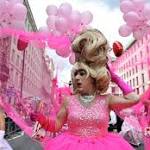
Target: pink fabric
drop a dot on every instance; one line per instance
(87, 129)
(144, 115)
(146, 143)
(55, 42)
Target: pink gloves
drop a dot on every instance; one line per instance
(46, 123)
(126, 89)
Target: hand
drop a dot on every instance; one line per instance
(34, 116)
(38, 132)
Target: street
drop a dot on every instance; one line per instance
(23, 142)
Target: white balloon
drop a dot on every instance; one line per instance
(146, 11)
(51, 10)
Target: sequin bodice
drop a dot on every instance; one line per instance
(91, 120)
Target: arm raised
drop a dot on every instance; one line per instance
(56, 124)
(121, 102)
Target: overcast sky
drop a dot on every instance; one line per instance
(107, 17)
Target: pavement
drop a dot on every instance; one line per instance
(23, 142)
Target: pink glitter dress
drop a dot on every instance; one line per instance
(87, 129)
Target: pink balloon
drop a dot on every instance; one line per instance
(51, 10)
(138, 4)
(51, 22)
(65, 9)
(63, 52)
(61, 24)
(125, 30)
(16, 1)
(20, 12)
(126, 6)
(72, 58)
(131, 18)
(3, 5)
(86, 17)
(75, 19)
(146, 11)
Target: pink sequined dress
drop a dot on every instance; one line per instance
(87, 129)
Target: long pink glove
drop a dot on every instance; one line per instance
(126, 89)
(46, 123)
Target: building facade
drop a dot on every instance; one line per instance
(26, 67)
(133, 65)
(24, 72)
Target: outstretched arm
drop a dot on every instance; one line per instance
(54, 125)
(129, 97)
(121, 102)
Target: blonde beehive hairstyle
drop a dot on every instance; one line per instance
(92, 47)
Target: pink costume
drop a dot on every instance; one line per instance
(87, 128)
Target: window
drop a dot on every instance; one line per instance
(130, 82)
(135, 58)
(136, 69)
(17, 61)
(133, 82)
(142, 66)
(143, 88)
(141, 55)
(130, 73)
(137, 81)
(133, 71)
(143, 78)
(137, 90)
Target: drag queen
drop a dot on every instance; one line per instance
(87, 111)
(3, 143)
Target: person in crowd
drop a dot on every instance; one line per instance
(3, 143)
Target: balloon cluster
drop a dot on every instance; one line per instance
(136, 14)
(64, 21)
(12, 15)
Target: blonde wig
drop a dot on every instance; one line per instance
(101, 76)
(91, 47)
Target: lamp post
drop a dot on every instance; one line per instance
(22, 74)
(22, 45)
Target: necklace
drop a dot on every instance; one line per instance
(87, 98)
